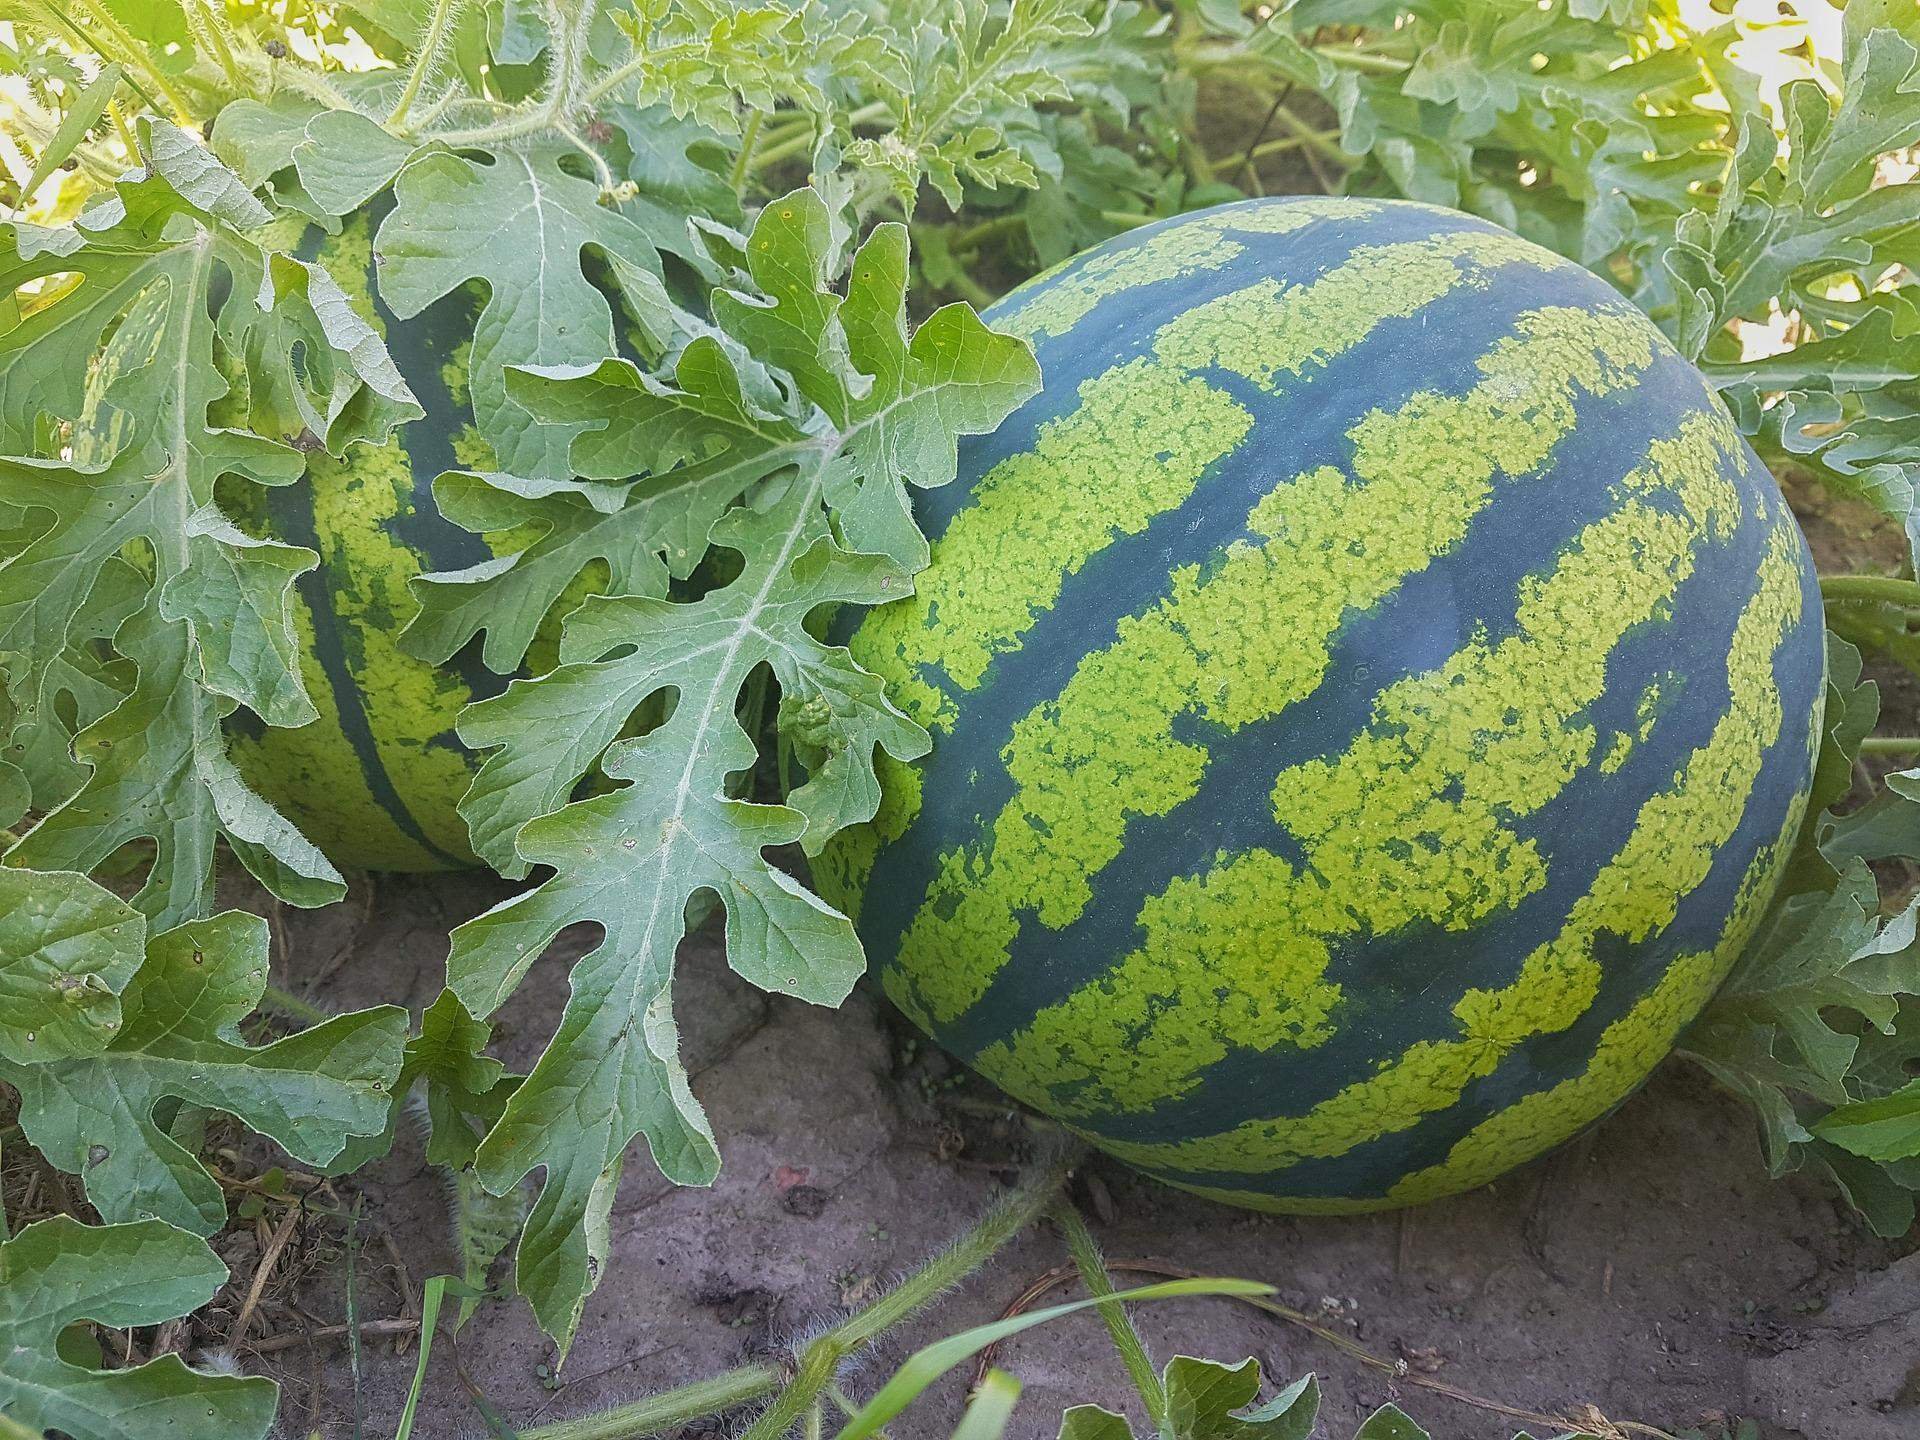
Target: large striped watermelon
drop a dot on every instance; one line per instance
(1373, 689)
(374, 782)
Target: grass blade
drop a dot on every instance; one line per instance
(925, 1366)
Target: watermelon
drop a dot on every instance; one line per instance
(1373, 687)
(375, 781)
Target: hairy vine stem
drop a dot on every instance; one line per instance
(425, 60)
(131, 55)
(568, 25)
(210, 30)
(1093, 1274)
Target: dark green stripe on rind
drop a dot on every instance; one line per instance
(1298, 947)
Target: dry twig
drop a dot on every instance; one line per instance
(268, 1256)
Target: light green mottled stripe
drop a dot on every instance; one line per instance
(1636, 894)
(1627, 1051)
(1055, 303)
(1141, 437)
(1246, 636)
(1413, 822)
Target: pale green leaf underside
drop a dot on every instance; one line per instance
(187, 361)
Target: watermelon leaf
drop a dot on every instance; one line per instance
(99, 1115)
(1390, 1422)
(1210, 1401)
(1883, 1129)
(1816, 1025)
(82, 116)
(68, 948)
(865, 410)
(58, 1272)
(520, 224)
(465, 1090)
(187, 358)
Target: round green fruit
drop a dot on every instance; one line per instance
(375, 781)
(1374, 687)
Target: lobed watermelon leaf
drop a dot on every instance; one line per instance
(188, 358)
(103, 1112)
(1820, 1019)
(520, 224)
(58, 1272)
(68, 948)
(1206, 1400)
(781, 429)
(864, 409)
(1886, 1129)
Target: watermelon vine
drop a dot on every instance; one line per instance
(720, 267)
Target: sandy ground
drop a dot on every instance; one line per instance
(1650, 1269)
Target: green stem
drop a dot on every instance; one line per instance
(614, 79)
(1270, 147)
(602, 172)
(743, 162)
(88, 43)
(1129, 218)
(781, 149)
(199, 21)
(40, 126)
(135, 54)
(665, 1411)
(1871, 587)
(122, 128)
(1126, 1339)
(451, 100)
(975, 235)
(1008, 1216)
(1366, 60)
(1320, 142)
(1890, 745)
(797, 135)
(820, 1362)
(785, 130)
(819, 1365)
(567, 41)
(312, 83)
(424, 61)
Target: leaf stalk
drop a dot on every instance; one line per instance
(424, 60)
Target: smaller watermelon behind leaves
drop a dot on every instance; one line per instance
(1374, 688)
(375, 781)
